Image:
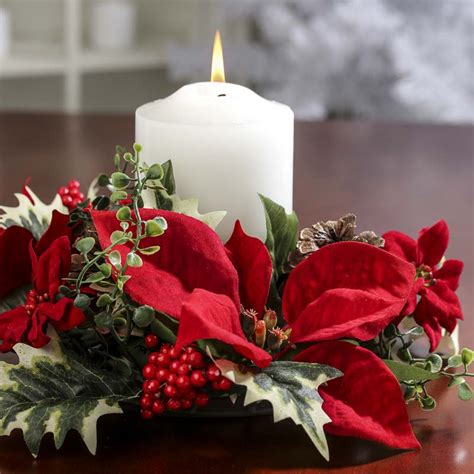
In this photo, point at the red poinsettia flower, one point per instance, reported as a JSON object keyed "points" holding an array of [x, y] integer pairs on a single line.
{"points": [[437, 282], [41, 265], [344, 290]]}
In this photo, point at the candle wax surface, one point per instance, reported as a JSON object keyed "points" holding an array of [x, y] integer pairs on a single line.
{"points": [[227, 144]]}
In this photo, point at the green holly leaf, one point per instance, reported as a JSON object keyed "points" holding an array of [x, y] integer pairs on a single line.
{"points": [[291, 388], [34, 216], [282, 233], [14, 299], [51, 392], [408, 373]]}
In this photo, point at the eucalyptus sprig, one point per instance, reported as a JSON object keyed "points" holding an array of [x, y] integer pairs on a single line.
{"points": [[414, 373], [103, 269]]}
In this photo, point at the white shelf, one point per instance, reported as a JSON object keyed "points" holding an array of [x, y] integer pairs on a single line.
{"points": [[27, 66]]}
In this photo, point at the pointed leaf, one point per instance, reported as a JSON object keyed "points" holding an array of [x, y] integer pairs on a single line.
{"points": [[189, 207], [50, 392], [292, 389]]}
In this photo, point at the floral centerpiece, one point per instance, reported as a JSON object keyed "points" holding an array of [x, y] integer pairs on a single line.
{"points": [[108, 304]]}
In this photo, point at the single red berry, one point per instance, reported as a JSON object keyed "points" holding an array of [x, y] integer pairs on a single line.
{"points": [[174, 353], [151, 341], [186, 404], [151, 386], [174, 366], [173, 404], [184, 358], [149, 371], [165, 349], [171, 380], [152, 358], [158, 407], [170, 391], [198, 379], [74, 184], [183, 383], [183, 369], [146, 401], [190, 394], [189, 349], [163, 360], [224, 384], [215, 386], [202, 399], [67, 200], [147, 414], [73, 192], [213, 373], [195, 359], [63, 191], [162, 375]]}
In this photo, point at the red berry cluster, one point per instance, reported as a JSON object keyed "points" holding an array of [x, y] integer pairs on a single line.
{"points": [[71, 194], [176, 379]]}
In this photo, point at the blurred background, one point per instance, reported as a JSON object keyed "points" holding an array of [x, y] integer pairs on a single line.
{"points": [[409, 60]]}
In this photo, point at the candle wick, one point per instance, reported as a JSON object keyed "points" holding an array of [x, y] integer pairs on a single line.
{"points": [[222, 95]]}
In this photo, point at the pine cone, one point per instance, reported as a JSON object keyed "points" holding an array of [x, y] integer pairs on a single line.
{"points": [[325, 233]]}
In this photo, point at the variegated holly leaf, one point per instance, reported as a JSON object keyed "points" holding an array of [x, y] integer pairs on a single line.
{"points": [[291, 388], [34, 216], [51, 392], [189, 207], [14, 299]]}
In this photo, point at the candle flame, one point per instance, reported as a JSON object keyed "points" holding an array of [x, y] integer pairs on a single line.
{"points": [[217, 68]]}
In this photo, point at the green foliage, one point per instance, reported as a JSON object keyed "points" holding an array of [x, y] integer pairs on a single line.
{"points": [[165, 327], [409, 373], [120, 180], [143, 316], [51, 392], [291, 388], [282, 233], [85, 245], [34, 216]]}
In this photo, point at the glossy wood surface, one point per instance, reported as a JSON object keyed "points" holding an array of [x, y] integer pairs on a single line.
{"points": [[393, 176]]}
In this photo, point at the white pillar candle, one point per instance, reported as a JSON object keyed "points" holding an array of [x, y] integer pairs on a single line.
{"points": [[227, 144], [5, 32]]}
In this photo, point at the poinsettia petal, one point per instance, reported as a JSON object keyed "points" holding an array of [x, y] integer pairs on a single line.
{"points": [[63, 315], [206, 315], [345, 312], [58, 228], [432, 243], [366, 402], [450, 273], [51, 267], [13, 325], [350, 266], [425, 318], [191, 256], [254, 267], [401, 245], [37, 333], [15, 265]]}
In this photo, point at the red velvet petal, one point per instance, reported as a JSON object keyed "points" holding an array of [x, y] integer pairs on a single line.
{"points": [[401, 245], [58, 228], [13, 325], [254, 266], [63, 315], [206, 315], [51, 267], [36, 335], [432, 243], [424, 317], [191, 256], [343, 313], [450, 272], [366, 402], [382, 284], [15, 265]]}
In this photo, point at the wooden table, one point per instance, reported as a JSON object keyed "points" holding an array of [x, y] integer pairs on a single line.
{"points": [[391, 175]]}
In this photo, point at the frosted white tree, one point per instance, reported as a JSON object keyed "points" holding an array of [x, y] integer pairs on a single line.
{"points": [[389, 59]]}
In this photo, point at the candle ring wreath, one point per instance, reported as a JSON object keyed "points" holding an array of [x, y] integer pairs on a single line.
{"points": [[110, 304]]}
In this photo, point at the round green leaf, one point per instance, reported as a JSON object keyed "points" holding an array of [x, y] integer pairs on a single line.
{"points": [[115, 258], [104, 300], [154, 172], [82, 301], [455, 361], [106, 270], [103, 319], [150, 250], [143, 316], [134, 260], [464, 392], [124, 214], [120, 180], [118, 196], [153, 229], [467, 356], [85, 245]]}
